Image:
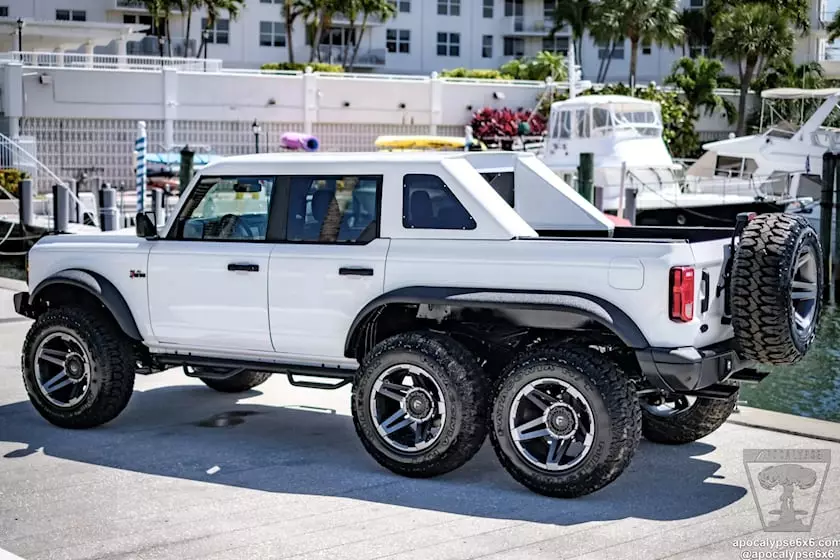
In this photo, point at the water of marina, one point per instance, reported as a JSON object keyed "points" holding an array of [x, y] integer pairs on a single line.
{"points": [[810, 388]]}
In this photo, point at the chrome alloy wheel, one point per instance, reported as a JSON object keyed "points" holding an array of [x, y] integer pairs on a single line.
{"points": [[551, 424], [408, 408], [62, 369]]}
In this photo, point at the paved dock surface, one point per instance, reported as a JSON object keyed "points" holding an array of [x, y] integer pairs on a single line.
{"points": [[186, 472]]}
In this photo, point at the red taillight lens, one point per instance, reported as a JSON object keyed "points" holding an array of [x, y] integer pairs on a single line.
{"points": [[682, 294]]}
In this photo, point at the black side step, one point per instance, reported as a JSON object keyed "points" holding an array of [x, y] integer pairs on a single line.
{"points": [[717, 391], [751, 376]]}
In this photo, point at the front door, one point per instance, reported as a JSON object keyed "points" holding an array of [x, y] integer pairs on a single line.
{"points": [[331, 265], [208, 279]]}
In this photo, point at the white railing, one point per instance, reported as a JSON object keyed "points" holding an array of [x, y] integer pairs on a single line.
{"points": [[15, 155], [111, 61]]}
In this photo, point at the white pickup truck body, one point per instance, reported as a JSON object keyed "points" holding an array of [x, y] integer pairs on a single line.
{"points": [[269, 294]]}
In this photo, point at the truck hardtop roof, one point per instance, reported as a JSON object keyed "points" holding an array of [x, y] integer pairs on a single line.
{"points": [[329, 157]]}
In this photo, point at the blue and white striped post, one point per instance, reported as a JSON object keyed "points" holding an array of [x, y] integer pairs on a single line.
{"points": [[140, 154]]}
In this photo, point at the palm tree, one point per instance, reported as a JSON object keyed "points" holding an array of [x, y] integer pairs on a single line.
{"points": [[798, 12], [292, 10], [577, 14], [699, 79], [649, 21], [697, 29], [606, 28], [159, 10], [381, 9], [751, 35]]}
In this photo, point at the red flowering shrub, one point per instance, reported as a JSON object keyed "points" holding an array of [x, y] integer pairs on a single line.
{"points": [[489, 123]]}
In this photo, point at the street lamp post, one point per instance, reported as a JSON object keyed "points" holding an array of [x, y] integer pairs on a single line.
{"points": [[20, 37], [205, 36], [257, 130]]}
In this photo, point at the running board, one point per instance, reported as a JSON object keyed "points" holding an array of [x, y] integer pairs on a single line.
{"points": [[748, 376], [717, 392]]}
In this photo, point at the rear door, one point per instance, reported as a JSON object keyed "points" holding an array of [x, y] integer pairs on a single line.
{"points": [[330, 266]]}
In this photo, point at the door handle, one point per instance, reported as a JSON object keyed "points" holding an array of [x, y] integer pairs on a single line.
{"points": [[247, 267], [355, 271]]}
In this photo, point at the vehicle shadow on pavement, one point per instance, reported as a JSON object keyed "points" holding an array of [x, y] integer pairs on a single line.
{"points": [[193, 433]]}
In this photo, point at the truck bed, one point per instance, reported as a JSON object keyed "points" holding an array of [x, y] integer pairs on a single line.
{"points": [[652, 234]]}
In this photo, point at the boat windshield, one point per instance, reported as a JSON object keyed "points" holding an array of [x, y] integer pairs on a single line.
{"points": [[642, 120]]}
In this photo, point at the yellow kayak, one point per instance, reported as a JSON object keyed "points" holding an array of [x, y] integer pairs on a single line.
{"points": [[419, 143]]}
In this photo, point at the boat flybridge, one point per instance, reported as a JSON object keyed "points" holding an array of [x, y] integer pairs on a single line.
{"points": [[787, 154], [624, 134]]}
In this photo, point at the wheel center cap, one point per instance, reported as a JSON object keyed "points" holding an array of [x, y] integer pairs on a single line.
{"points": [[561, 420], [75, 367], [419, 404]]}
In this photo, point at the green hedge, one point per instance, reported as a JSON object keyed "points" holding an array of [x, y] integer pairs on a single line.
{"points": [[10, 180], [478, 74], [301, 66]]}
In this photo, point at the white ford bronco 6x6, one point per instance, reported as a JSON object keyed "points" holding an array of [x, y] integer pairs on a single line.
{"points": [[462, 295]]}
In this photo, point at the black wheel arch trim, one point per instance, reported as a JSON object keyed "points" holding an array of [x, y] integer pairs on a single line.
{"points": [[584, 305], [99, 287]]}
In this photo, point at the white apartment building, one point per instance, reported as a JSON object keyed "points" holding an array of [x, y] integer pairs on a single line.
{"points": [[424, 36]]}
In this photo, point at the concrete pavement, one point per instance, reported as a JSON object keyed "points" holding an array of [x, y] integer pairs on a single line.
{"points": [[186, 472]]}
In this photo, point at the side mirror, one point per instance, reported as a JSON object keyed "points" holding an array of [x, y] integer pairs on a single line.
{"points": [[145, 225]]}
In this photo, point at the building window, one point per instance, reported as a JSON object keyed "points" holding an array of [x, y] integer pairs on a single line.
{"points": [[556, 44], [486, 46], [219, 33], [4, 11], [488, 9], [449, 7], [697, 49], [398, 40], [429, 204], [695, 4], [208, 214], [272, 34], [449, 44], [548, 10], [605, 48], [71, 15], [646, 47], [402, 6], [514, 8], [514, 46]]}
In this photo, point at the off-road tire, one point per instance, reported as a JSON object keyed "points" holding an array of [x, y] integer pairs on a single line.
{"points": [[239, 383], [703, 417], [113, 366], [465, 389], [614, 405], [761, 287]]}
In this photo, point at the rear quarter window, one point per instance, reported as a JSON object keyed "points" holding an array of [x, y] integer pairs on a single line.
{"points": [[429, 204]]}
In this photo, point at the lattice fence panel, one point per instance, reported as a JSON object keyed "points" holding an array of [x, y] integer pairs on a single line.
{"points": [[230, 138], [359, 137]]}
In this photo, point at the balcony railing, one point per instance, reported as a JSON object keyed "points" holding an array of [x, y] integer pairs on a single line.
{"points": [[111, 61], [528, 25], [137, 6], [335, 55]]}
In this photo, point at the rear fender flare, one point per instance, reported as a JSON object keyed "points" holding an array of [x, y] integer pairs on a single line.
{"points": [[583, 305], [99, 287]]}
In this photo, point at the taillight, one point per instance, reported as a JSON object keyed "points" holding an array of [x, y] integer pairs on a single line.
{"points": [[682, 294]]}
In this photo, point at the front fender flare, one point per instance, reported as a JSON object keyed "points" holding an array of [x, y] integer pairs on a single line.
{"points": [[584, 305], [99, 287]]}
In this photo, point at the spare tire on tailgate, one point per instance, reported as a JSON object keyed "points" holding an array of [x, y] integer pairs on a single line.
{"points": [[776, 288]]}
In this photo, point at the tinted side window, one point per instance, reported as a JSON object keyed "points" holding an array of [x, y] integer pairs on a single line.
{"points": [[333, 209], [429, 204], [226, 208]]}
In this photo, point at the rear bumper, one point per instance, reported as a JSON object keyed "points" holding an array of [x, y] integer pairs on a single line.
{"points": [[690, 369]]}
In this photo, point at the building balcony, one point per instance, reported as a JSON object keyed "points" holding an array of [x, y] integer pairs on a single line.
{"points": [[137, 6], [521, 26], [367, 58], [151, 46], [340, 19]]}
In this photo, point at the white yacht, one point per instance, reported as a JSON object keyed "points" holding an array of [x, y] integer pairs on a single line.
{"points": [[625, 136]]}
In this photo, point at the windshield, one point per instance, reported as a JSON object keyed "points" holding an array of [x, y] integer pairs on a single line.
{"points": [[642, 119]]}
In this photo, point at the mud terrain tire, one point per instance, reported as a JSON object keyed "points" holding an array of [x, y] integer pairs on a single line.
{"points": [[95, 348], [580, 374], [239, 383], [696, 421], [446, 372], [776, 289]]}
